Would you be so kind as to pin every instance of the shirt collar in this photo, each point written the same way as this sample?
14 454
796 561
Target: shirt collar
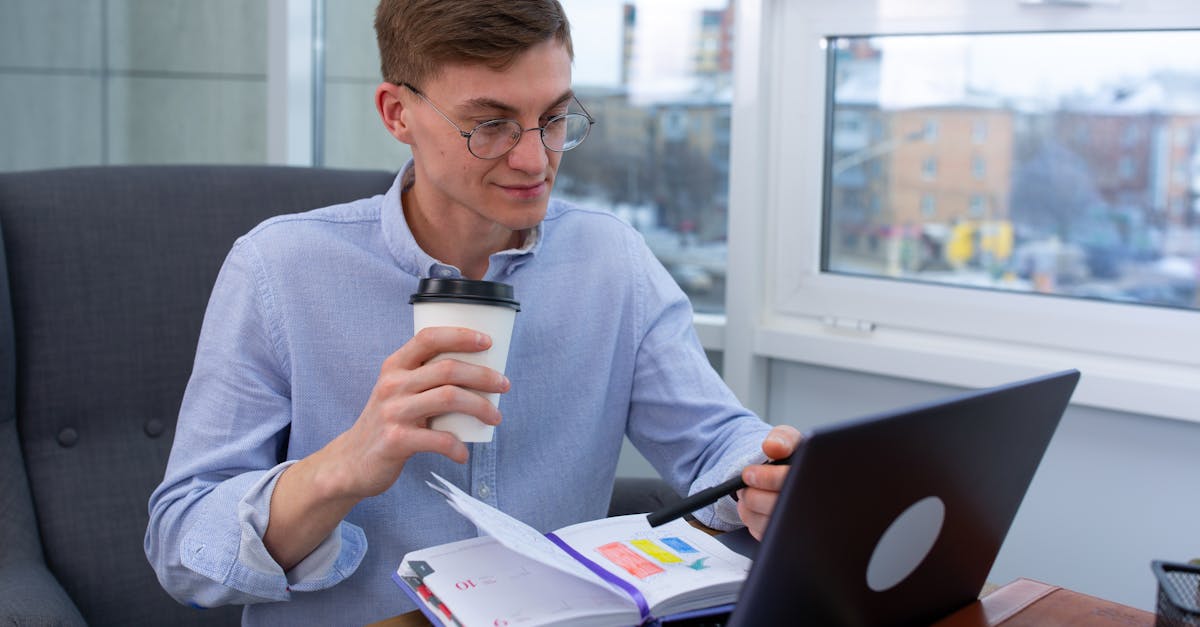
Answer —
412 259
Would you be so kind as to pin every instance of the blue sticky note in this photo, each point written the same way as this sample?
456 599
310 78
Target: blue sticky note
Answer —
679 545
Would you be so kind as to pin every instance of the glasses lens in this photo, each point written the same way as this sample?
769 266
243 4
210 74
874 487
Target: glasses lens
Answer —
492 139
566 132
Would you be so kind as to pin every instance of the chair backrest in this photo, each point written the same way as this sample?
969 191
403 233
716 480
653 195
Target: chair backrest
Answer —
109 272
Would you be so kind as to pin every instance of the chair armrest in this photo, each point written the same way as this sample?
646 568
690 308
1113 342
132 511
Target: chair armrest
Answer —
30 595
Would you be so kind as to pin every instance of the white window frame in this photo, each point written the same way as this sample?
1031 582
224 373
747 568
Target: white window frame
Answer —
292 74
1137 359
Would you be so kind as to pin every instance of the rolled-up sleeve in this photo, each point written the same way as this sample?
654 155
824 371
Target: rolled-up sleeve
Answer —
209 514
683 418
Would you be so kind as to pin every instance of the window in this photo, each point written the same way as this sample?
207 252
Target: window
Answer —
979 131
1040 256
929 168
977 207
658 79
1076 231
931 130
928 205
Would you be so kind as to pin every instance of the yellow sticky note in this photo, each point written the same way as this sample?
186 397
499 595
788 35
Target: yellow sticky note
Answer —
653 550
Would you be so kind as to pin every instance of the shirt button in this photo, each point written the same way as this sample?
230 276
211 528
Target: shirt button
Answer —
483 491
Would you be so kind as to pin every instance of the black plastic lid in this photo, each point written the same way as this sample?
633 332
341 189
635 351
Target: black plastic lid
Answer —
465 291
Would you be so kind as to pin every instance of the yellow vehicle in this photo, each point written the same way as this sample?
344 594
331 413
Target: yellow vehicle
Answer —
971 238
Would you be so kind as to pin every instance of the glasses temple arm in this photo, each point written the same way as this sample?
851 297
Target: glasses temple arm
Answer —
416 91
591 120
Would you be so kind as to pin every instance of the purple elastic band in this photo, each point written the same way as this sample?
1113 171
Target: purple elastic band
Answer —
629 588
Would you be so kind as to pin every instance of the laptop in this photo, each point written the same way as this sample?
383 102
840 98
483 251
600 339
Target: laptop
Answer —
896 518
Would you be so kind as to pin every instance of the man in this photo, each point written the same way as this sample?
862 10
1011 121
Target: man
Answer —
303 432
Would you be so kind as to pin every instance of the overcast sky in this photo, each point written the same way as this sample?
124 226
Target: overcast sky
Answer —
916 70
666 31
1043 66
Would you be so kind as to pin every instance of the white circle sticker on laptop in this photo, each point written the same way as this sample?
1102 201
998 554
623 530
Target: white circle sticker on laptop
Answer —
905 544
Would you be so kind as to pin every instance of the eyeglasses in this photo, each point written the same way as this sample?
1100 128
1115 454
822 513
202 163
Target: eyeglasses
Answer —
494 138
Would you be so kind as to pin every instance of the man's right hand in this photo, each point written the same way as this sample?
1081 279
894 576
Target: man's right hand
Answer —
313 495
409 392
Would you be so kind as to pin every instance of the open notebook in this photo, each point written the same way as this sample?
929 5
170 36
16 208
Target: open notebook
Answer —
612 571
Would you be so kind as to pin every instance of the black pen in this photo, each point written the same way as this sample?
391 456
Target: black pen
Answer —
704 497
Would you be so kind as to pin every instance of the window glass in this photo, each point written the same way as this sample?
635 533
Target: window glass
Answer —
1018 162
122 82
657 76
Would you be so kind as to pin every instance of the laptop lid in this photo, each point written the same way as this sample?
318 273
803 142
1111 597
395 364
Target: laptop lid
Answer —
896 518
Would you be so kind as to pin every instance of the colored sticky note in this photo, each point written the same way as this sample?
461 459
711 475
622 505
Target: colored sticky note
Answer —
629 560
657 552
679 545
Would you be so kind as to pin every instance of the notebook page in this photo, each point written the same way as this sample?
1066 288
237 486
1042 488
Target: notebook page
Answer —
674 561
515 534
482 582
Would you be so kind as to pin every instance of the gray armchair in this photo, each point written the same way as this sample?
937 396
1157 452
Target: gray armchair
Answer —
104 278
108 275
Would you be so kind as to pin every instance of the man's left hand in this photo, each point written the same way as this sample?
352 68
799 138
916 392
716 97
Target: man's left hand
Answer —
764 482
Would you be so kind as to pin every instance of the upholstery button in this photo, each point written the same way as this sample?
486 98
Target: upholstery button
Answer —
68 437
154 427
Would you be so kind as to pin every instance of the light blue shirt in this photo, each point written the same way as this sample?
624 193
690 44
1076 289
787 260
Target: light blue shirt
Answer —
302 315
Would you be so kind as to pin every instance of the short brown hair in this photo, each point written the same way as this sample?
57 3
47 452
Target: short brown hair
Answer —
417 37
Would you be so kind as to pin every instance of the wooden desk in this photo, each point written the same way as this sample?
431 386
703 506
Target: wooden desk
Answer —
1022 603
1029 603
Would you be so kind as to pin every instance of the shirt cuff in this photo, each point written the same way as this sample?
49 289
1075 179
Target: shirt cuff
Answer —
723 514
336 558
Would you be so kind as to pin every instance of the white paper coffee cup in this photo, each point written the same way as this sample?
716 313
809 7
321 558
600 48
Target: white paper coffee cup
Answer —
485 306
